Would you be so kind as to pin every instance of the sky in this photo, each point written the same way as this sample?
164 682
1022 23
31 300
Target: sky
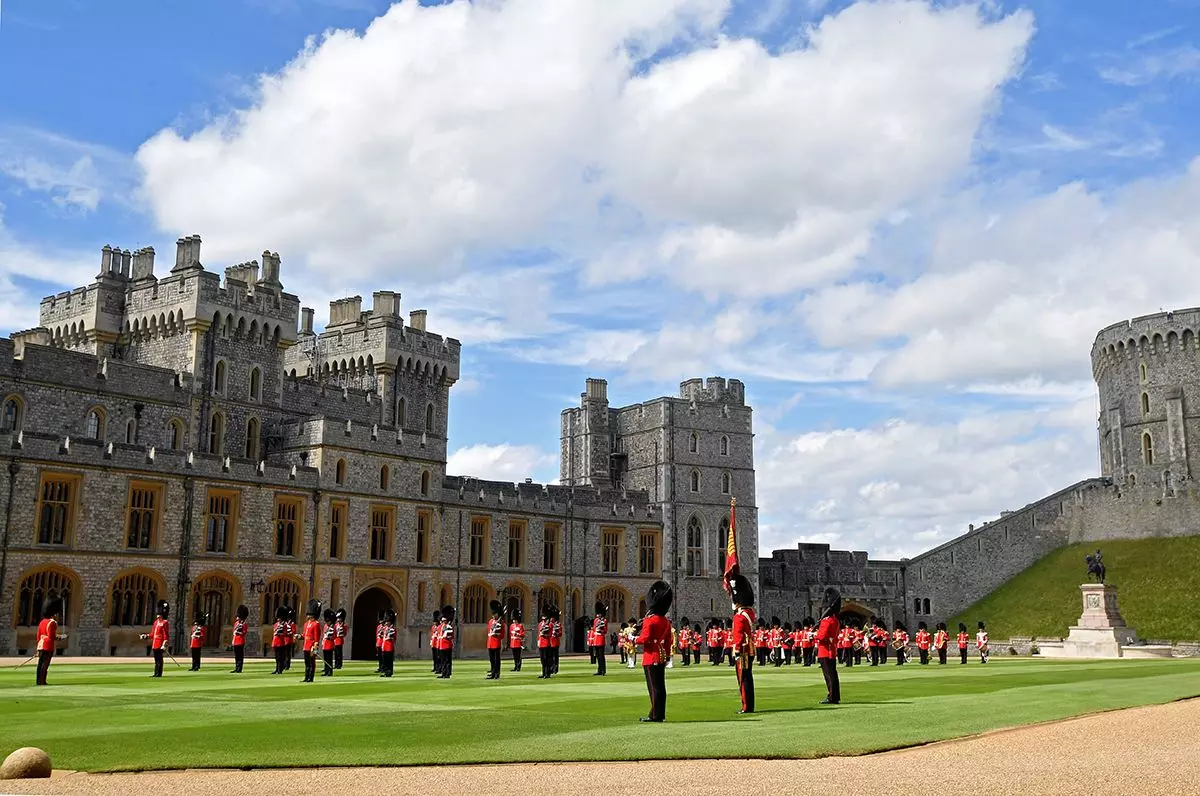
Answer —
900 223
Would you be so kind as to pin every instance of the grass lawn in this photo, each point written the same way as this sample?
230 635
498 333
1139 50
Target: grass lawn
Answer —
114 717
1156 579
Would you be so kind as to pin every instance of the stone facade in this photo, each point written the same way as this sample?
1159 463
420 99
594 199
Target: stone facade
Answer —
193 439
793 584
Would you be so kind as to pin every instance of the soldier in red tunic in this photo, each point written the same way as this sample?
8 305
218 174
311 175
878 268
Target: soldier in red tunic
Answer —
388 643
900 643
339 636
198 635
47 637
599 631
240 625
827 637
923 640
556 634
495 638
328 632
685 641
516 637
655 638
446 642
962 642
159 635
311 638
434 629
741 638
940 640
697 641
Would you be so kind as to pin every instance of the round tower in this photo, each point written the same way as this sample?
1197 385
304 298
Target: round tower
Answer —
1147 371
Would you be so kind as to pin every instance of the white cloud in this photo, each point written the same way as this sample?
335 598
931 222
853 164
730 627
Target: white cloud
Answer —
504 462
77 175
56 266
1145 69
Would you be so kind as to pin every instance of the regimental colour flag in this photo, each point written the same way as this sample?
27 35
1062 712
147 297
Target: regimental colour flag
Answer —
732 566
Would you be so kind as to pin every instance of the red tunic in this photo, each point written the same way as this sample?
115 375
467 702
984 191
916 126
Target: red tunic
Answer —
159 632
198 634
741 637
556 632
543 633
339 633
239 633
311 631
962 641
599 628
389 638
923 639
445 636
655 639
327 636
827 635
47 632
495 633
279 635
516 635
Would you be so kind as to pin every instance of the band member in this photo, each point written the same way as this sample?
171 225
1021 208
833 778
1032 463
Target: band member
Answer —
808 641
446 641
159 634
328 639
435 628
741 598
655 638
379 640
495 637
240 626
845 651
339 636
674 646
962 642
685 641
857 642
697 642
981 643
516 638
599 631
940 641
787 643
544 643
885 641
774 635
871 631
198 635
279 638
923 640
389 643
631 644
797 644
556 634
900 643
291 638
311 638
713 642
47 637
827 636
762 645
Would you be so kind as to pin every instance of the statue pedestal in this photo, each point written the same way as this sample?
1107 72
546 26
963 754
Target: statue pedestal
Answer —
1101 631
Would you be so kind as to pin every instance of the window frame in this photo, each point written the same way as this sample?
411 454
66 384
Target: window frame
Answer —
522 534
231 521
255 388
157 492
74 483
282 500
253 435
484 538
612 552
422 536
18 421
101 417
217 429
550 545
386 530
337 529
654 549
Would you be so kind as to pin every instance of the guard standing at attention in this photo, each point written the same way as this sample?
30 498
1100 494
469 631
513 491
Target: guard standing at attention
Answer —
240 625
962 642
556 634
516 638
495 638
685 641
827 636
981 641
279 638
198 635
434 629
940 639
544 643
339 636
47 637
741 637
310 639
446 642
379 640
290 625
160 631
388 643
599 631
655 639
923 640
328 635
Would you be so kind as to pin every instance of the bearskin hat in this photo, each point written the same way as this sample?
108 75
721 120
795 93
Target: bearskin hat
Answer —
448 613
552 611
314 609
437 616
339 615
981 627
497 607
515 614
962 628
922 626
684 622
601 609
281 613
243 612
51 608
200 618
291 613
328 616
900 626
774 621
383 614
389 616
787 626
808 621
740 591
659 598
832 603
941 625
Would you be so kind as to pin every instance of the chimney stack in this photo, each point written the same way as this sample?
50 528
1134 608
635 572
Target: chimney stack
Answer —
187 254
143 263
306 320
385 303
416 319
106 258
270 269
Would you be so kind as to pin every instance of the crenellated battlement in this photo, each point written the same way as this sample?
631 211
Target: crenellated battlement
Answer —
366 437
1146 336
714 390
87 372
582 502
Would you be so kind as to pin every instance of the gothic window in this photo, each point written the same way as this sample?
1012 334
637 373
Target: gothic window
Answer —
385 474
610 550
134 599
11 419
516 544
288 515
1142 371
39 586
1145 403
550 546
220 518
424 521
142 513
724 446
95 424
475 604
1147 449
337 528
401 413
219 378
695 480
280 591
425 482
252 439
175 435
216 433
615 599
130 432
383 519
726 483
694 443
478 543
339 472
695 548
925 606
917 605
56 508
723 537
429 418
255 384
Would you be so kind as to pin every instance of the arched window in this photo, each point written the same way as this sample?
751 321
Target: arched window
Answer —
219 378
425 482
550 594
401 413
95 424
175 435
723 539
280 591
42 585
429 417
694 443
130 432
1142 371
255 384
724 446
695 548
475 604
925 606
695 480
445 597
133 599
617 602
339 472
252 437
10 420
513 592
385 474
726 483
213 595
917 605
216 433
1147 449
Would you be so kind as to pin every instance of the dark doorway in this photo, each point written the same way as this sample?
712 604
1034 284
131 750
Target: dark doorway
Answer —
366 617
579 642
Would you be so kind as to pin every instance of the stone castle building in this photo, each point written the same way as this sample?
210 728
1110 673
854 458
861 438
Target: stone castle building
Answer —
1147 372
186 438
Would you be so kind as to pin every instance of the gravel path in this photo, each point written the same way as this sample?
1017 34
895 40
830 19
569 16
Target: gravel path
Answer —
1147 751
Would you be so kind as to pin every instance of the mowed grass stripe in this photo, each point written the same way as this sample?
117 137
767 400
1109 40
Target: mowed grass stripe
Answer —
100 717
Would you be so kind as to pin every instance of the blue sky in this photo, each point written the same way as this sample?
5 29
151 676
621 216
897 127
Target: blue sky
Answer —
900 223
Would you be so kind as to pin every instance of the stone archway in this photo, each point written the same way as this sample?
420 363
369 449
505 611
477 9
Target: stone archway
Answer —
367 606
853 613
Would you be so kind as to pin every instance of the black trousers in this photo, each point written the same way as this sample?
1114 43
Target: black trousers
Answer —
832 685
158 662
656 686
494 660
43 667
696 656
962 653
337 656
554 660
195 659
379 659
874 655
310 666
388 664
327 656
687 656
280 658
598 656
239 656
942 656
745 678
883 653
516 653
858 656
624 656
289 652
924 656
592 653
544 656
447 663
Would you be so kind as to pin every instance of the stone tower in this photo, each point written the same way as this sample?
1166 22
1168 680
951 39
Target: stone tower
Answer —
1148 375
692 454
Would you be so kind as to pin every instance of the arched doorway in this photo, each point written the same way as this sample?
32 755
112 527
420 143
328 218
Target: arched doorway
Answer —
582 628
366 616
853 614
214 595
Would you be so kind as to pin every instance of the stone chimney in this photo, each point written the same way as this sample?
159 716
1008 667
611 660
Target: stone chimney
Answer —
385 303
306 320
270 270
143 263
346 310
416 319
106 258
187 254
